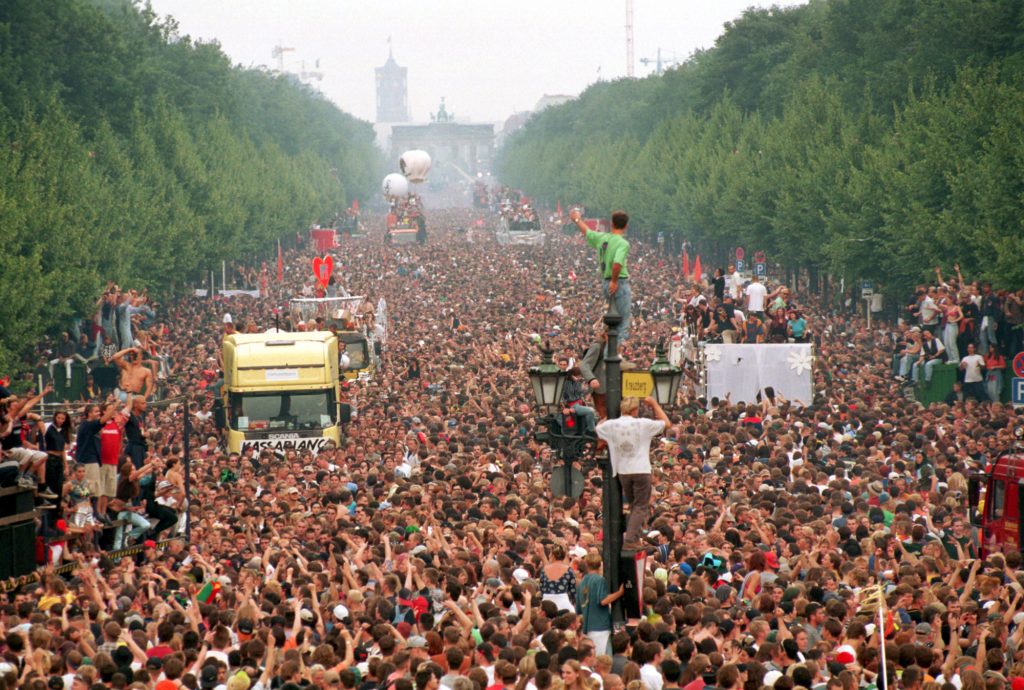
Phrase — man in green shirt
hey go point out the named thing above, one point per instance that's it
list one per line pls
(612, 254)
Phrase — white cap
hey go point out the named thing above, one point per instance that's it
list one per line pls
(227, 318)
(340, 612)
(521, 575)
(771, 677)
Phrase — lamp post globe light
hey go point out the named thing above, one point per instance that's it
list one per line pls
(666, 377)
(547, 381)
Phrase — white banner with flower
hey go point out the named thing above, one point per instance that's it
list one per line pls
(743, 371)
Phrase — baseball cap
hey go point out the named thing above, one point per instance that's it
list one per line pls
(340, 612)
(416, 642)
(208, 677)
(846, 654)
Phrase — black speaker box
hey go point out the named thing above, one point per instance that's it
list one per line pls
(17, 549)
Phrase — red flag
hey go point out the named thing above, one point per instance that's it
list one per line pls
(572, 275)
(558, 209)
(696, 270)
(686, 264)
(355, 205)
(280, 263)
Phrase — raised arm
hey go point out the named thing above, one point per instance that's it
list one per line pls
(577, 218)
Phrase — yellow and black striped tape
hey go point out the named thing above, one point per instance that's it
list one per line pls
(13, 583)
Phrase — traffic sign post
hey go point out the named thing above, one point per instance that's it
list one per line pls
(740, 265)
(740, 255)
(761, 269)
(637, 384)
(1018, 365)
(1017, 391)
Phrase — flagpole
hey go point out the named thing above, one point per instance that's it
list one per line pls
(881, 636)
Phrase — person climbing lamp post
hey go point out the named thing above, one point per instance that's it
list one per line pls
(547, 381)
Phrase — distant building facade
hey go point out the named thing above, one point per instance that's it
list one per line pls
(457, 150)
(392, 91)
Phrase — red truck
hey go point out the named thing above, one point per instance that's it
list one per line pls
(996, 497)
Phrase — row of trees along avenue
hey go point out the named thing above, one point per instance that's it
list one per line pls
(132, 153)
(868, 139)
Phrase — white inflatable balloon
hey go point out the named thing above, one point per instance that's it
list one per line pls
(415, 165)
(395, 185)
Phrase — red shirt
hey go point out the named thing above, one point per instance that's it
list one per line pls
(110, 441)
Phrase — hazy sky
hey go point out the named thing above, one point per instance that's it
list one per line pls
(489, 58)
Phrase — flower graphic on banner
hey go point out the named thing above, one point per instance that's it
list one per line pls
(799, 361)
(713, 354)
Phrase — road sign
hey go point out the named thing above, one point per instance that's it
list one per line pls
(637, 384)
(558, 482)
(761, 269)
(1017, 390)
(740, 265)
(740, 255)
(1018, 364)
(759, 257)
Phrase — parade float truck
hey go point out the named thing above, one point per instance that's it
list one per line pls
(281, 391)
(520, 231)
(996, 497)
(357, 346)
(403, 229)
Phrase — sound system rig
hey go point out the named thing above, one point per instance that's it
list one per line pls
(17, 532)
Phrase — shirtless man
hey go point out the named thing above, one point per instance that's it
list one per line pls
(136, 378)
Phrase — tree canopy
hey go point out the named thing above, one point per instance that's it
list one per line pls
(872, 139)
(132, 153)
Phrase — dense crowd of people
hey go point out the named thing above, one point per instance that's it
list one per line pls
(427, 550)
(966, 324)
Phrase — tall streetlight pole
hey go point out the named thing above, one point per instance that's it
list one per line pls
(611, 490)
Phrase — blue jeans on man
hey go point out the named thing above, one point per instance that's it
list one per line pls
(928, 366)
(623, 303)
(585, 416)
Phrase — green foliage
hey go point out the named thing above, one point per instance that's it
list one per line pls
(129, 152)
(867, 138)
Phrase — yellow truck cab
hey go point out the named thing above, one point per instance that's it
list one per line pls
(281, 391)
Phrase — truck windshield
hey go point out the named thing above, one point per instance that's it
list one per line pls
(289, 410)
(356, 355)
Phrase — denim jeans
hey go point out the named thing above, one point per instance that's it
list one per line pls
(586, 416)
(994, 384)
(906, 364)
(140, 526)
(988, 334)
(624, 304)
(928, 366)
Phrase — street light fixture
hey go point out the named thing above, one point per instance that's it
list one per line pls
(547, 380)
(666, 377)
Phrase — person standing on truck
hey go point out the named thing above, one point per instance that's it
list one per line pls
(973, 366)
(612, 255)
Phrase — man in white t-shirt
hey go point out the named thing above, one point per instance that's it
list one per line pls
(756, 295)
(629, 448)
(973, 366)
(734, 283)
